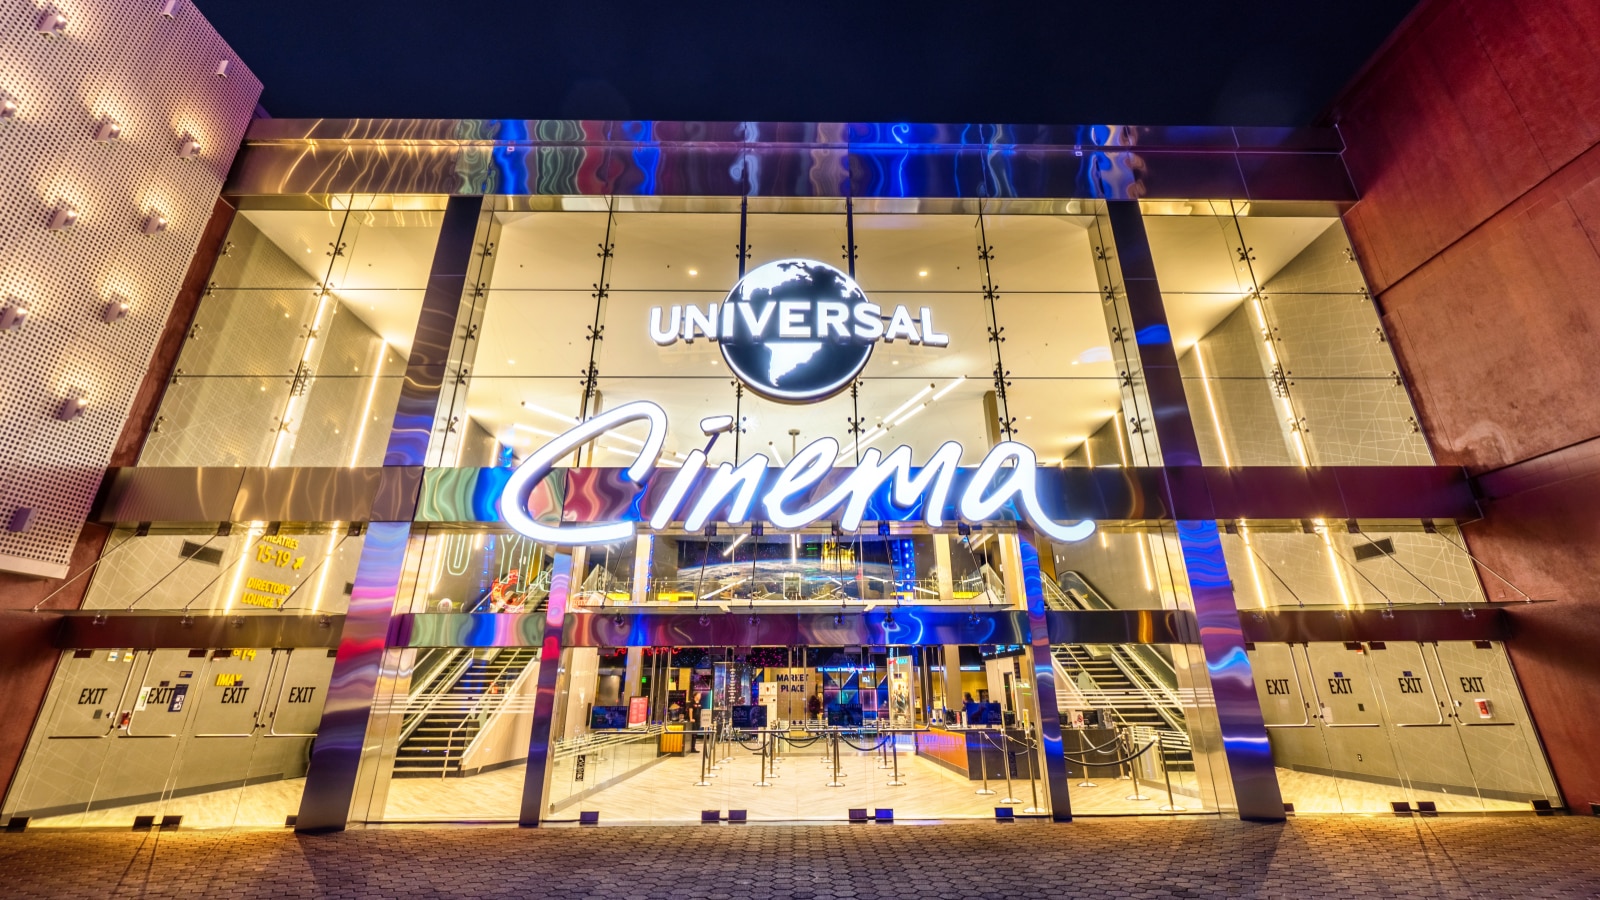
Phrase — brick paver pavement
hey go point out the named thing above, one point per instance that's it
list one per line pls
(1304, 858)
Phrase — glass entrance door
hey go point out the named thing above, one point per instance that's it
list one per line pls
(666, 734)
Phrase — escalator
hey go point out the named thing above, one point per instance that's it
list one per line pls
(1134, 682)
(460, 696)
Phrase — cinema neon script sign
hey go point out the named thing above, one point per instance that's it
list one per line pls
(807, 490)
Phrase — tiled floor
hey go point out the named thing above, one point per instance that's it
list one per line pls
(666, 792)
(1306, 858)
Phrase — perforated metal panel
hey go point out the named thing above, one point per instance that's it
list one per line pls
(155, 77)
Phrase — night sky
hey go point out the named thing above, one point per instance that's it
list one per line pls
(1178, 62)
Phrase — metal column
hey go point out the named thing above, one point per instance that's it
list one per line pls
(536, 780)
(1044, 680)
(1244, 732)
(336, 753)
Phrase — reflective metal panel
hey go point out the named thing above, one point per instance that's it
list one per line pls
(159, 494)
(1123, 626)
(1244, 732)
(306, 494)
(1298, 626)
(572, 131)
(467, 630)
(762, 159)
(1044, 679)
(536, 780)
(1158, 360)
(336, 753)
(430, 347)
(86, 630)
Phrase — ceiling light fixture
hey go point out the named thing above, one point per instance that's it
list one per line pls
(189, 148)
(108, 131)
(8, 110)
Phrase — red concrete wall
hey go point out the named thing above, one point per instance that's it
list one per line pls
(1474, 137)
(27, 655)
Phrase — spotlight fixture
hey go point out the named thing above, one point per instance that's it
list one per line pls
(8, 110)
(617, 620)
(838, 618)
(155, 223)
(754, 619)
(63, 218)
(51, 24)
(116, 309)
(169, 8)
(21, 518)
(13, 315)
(222, 68)
(72, 406)
(705, 620)
(108, 131)
(189, 148)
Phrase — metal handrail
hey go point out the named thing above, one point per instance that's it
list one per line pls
(1155, 676)
(437, 688)
(474, 709)
(505, 698)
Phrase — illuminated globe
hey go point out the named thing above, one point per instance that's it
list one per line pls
(791, 332)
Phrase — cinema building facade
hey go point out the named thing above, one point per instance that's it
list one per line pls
(548, 471)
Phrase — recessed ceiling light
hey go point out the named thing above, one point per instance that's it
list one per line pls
(694, 271)
(894, 362)
(511, 362)
(922, 274)
(1029, 418)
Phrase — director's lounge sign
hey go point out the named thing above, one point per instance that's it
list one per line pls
(794, 331)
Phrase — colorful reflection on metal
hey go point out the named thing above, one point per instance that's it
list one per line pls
(1244, 731)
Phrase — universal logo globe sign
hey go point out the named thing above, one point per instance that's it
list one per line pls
(795, 330)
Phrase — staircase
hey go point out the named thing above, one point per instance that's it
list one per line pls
(1136, 684)
(454, 709)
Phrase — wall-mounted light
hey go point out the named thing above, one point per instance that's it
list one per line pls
(51, 24)
(21, 518)
(108, 131)
(13, 315)
(188, 148)
(8, 110)
(155, 223)
(169, 8)
(63, 218)
(116, 309)
(72, 406)
(222, 68)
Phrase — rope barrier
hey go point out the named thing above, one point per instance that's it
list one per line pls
(1110, 762)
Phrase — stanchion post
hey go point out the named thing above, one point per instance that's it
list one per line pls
(1167, 776)
(1133, 767)
(983, 762)
(1005, 763)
